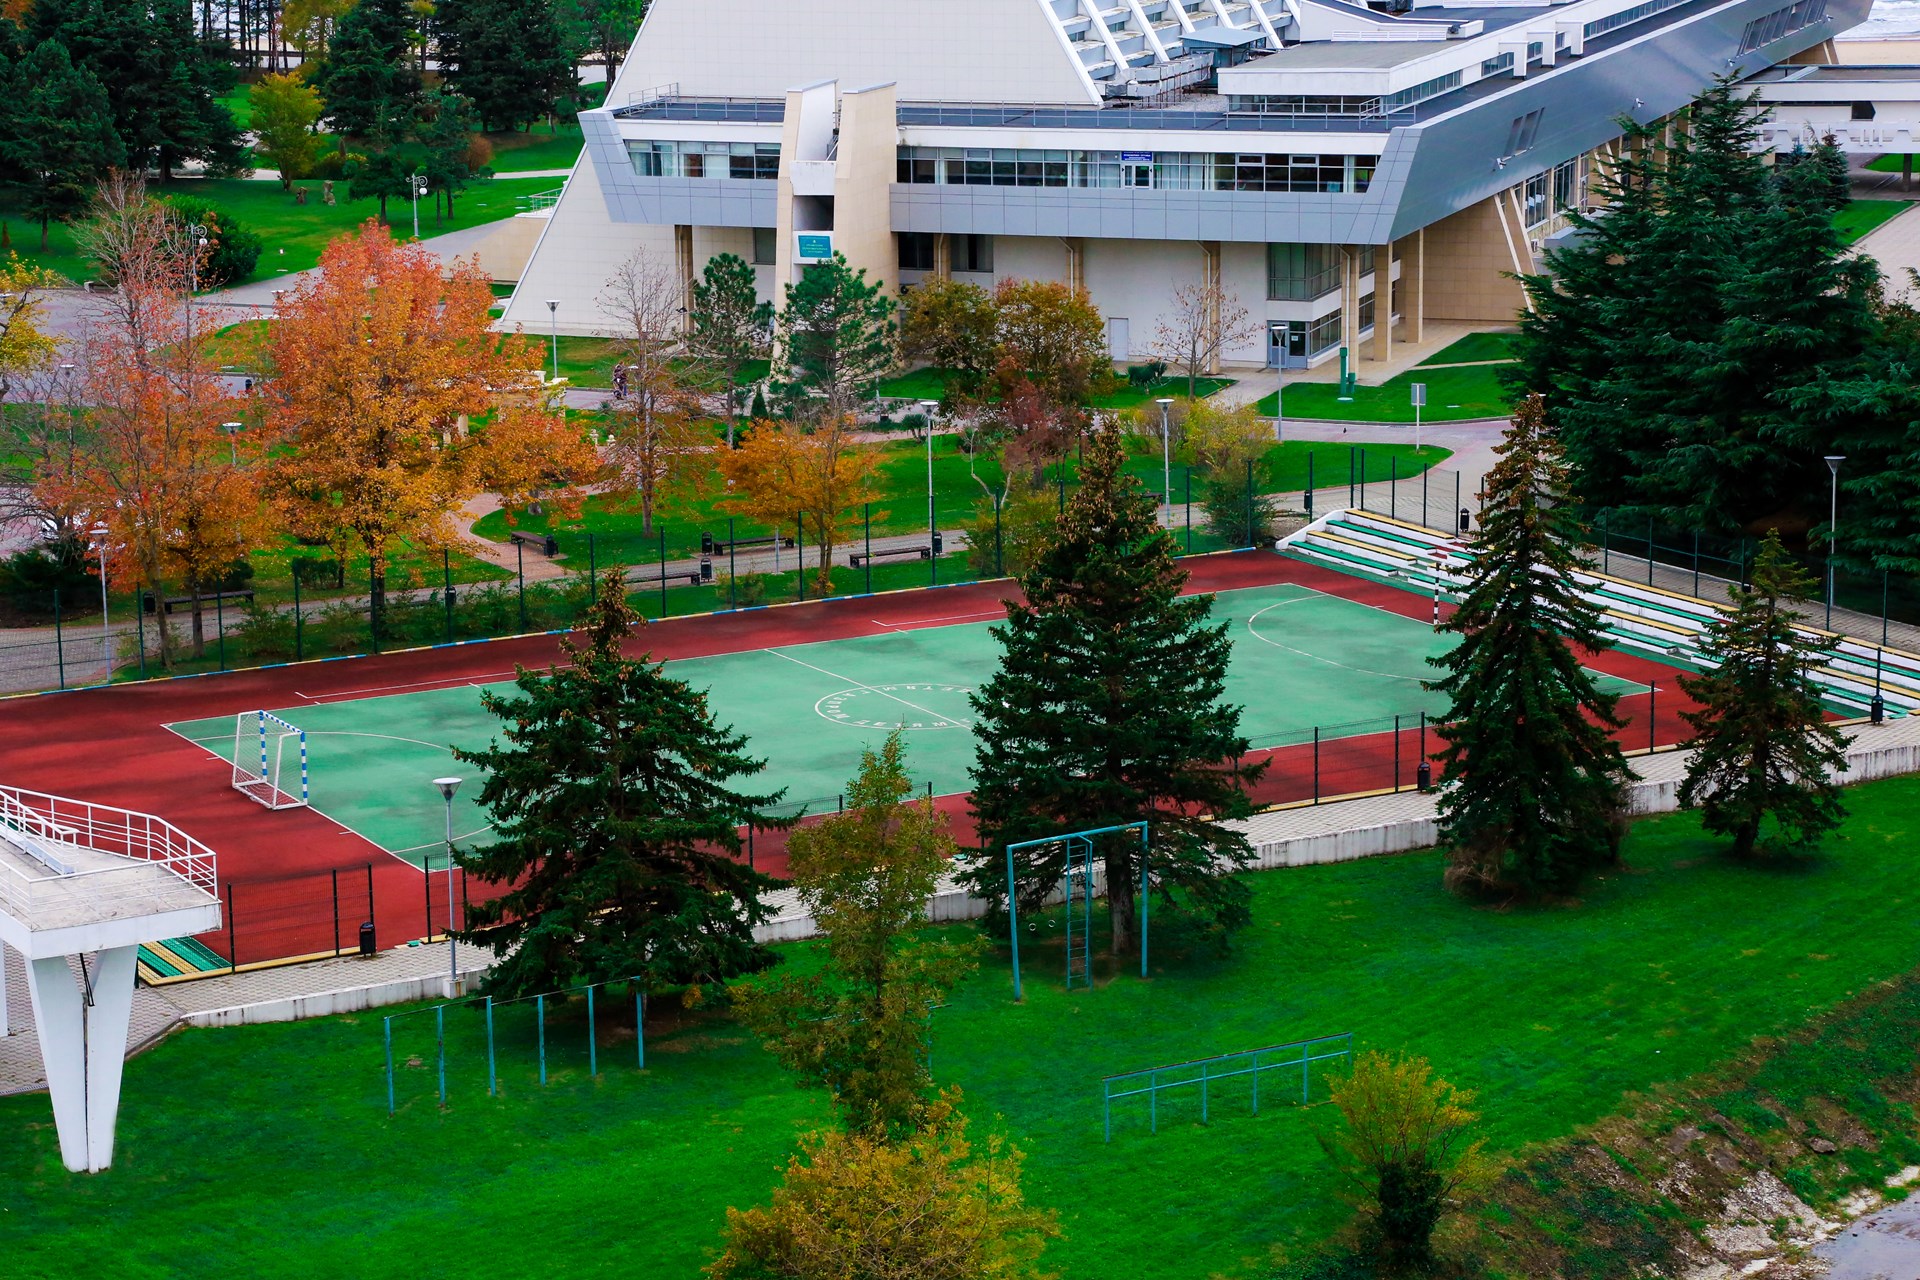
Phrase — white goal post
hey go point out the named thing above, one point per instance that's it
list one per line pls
(261, 763)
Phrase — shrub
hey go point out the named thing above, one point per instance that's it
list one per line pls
(232, 250)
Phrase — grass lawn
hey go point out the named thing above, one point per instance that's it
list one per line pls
(239, 104)
(1453, 395)
(1857, 217)
(588, 362)
(537, 148)
(1474, 348)
(267, 1151)
(902, 508)
(1885, 164)
(293, 234)
(931, 384)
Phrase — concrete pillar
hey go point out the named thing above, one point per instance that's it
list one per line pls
(1350, 302)
(1383, 302)
(1210, 272)
(1416, 291)
(82, 1026)
(683, 262)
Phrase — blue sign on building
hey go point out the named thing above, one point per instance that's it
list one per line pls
(813, 246)
(1136, 157)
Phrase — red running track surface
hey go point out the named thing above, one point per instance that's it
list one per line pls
(283, 869)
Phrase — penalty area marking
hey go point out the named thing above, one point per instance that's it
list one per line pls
(349, 695)
(912, 623)
(855, 684)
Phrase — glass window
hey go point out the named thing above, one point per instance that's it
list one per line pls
(970, 253)
(1365, 320)
(763, 245)
(1324, 334)
(1301, 272)
(916, 251)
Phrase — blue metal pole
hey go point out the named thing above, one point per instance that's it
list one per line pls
(1106, 1107)
(492, 1078)
(1256, 1083)
(1203, 1092)
(593, 1050)
(387, 1035)
(640, 1025)
(440, 1034)
(540, 1015)
(1013, 924)
(1146, 895)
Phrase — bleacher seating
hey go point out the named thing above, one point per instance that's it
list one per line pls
(1660, 623)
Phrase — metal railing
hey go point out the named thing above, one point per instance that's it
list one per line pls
(107, 829)
(1207, 1072)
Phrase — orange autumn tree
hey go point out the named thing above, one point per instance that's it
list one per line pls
(149, 459)
(378, 360)
(783, 473)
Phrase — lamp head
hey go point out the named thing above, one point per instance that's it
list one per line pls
(928, 406)
(1833, 462)
(447, 787)
(553, 304)
(1163, 401)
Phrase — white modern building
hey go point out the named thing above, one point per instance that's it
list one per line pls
(1349, 172)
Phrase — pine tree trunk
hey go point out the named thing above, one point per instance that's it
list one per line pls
(1121, 907)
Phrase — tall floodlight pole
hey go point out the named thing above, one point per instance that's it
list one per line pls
(1166, 453)
(1280, 394)
(446, 787)
(553, 315)
(99, 537)
(927, 408)
(1833, 519)
(197, 237)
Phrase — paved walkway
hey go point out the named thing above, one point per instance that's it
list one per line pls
(157, 1010)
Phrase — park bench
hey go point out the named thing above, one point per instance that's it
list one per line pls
(545, 543)
(743, 544)
(208, 599)
(861, 557)
(694, 577)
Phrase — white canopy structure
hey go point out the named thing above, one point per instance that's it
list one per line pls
(81, 887)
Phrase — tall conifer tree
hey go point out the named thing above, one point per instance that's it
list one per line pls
(614, 798)
(509, 57)
(1108, 709)
(1763, 749)
(368, 82)
(1535, 787)
(65, 140)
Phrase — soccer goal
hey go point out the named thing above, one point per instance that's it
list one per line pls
(263, 766)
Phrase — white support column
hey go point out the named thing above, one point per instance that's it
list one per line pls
(82, 1025)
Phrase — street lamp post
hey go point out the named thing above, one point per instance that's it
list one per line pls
(446, 787)
(1166, 452)
(98, 536)
(197, 235)
(1833, 519)
(233, 454)
(927, 408)
(553, 315)
(416, 187)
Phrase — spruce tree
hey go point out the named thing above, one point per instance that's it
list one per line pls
(835, 341)
(1763, 748)
(727, 324)
(449, 142)
(368, 82)
(859, 1025)
(65, 141)
(509, 57)
(1535, 787)
(615, 802)
(1108, 708)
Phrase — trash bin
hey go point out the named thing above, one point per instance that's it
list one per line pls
(1877, 710)
(1465, 516)
(706, 568)
(366, 939)
(706, 544)
(939, 542)
(1424, 775)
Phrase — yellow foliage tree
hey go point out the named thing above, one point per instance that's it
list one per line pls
(377, 357)
(929, 1207)
(784, 474)
(24, 344)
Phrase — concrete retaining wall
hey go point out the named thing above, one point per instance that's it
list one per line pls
(345, 1000)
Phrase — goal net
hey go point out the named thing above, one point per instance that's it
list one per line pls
(270, 760)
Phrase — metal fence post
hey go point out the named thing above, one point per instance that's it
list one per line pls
(663, 573)
(520, 572)
(867, 560)
(446, 588)
(1393, 487)
(440, 1037)
(335, 873)
(1189, 513)
(299, 623)
(59, 645)
(140, 630)
(1253, 539)
(386, 1034)
(492, 1078)
(540, 1016)
(1309, 484)
(1396, 753)
(1316, 764)
(1696, 562)
(220, 624)
(999, 548)
(1649, 552)
(933, 536)
(799, 550)
(593, 1049)
(233, 945)
(373, 611)
(640, 1026)
(732, 571)
(1883, 608)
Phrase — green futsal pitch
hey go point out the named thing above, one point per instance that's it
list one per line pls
(1301, 658)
